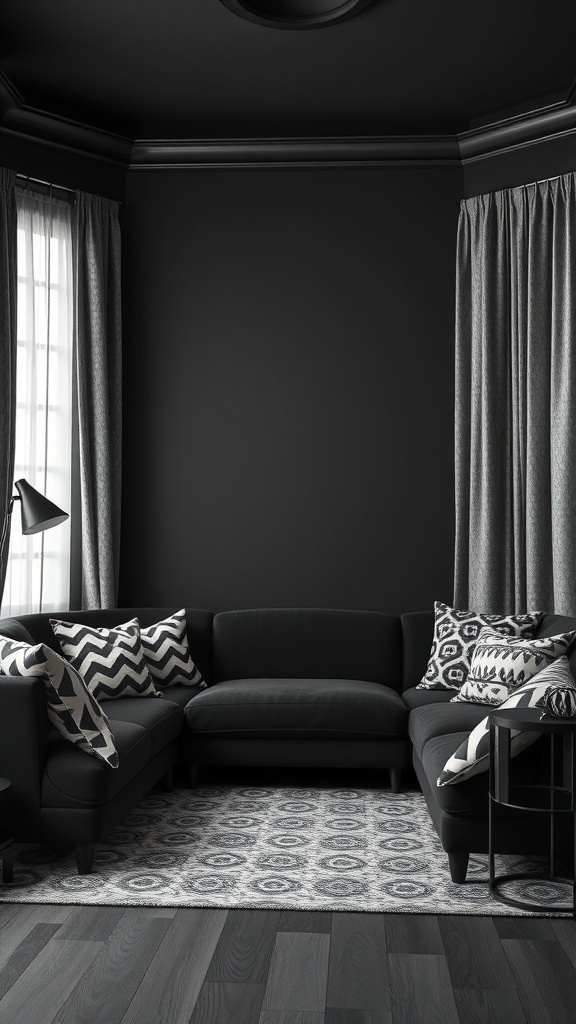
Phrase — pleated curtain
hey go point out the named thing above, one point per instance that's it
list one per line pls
(8, 344)
(99, 384)
(516, 400)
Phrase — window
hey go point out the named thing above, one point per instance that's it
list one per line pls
(38, 574)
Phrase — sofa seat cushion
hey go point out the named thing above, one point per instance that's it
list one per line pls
(437, 719)
(417, 698)
(72, 778)
(182, 694)
(162, 719)
(299, 708)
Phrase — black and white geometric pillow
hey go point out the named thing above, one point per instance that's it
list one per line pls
(111, 661)
(473, 755)
(167, 654)
(500, 663)
(455, 636)
(70, 706)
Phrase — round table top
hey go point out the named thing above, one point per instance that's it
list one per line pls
(4, 784)
(531, 720)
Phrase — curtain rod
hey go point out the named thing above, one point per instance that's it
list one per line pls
(61, 188)
(49, 184)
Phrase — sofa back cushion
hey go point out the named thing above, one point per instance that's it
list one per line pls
(308, 643)
(417, 636)
(199, 627)
(14, 630)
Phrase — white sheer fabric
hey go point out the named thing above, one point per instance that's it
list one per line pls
(38, 575)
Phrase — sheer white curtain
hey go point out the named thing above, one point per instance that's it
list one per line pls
(38, 575)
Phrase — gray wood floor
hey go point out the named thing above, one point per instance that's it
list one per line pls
(112, 965)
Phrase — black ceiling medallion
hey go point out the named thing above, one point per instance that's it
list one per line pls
(292, 14)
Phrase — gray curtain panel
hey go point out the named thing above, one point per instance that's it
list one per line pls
(516, 400)
(99, 383)
(8, 285)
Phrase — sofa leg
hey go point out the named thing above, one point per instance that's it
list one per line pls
(458, 864)
(395, 779)
(193, 775)
(168, 781)
(84, 857)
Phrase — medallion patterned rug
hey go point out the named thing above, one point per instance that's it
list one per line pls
(272, 847)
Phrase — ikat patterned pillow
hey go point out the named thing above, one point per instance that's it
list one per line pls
(455, 636)
(473, 755)
(167, 654)
(111, 661)
(501, 663)
(71, 707)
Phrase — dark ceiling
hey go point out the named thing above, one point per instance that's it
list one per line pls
(174, 69)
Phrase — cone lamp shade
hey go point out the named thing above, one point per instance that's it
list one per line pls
(38, 513)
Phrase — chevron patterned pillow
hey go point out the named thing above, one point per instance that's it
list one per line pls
(455, 636)
(167, 653)
(111, 661)
(473, 755)
(71, 707)
(500, 663)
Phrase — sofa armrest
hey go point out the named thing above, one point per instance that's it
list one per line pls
(23, 746)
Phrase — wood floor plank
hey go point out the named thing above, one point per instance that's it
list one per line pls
(305, 921)
(7, 912)
(298, 975)
(154, 911)
(105, 991)
(336, 1015)
(546, 980)
(291, 1017)
(474, 953)
(45, 985)
(24, 954)
(172, 983)
(358, 976)
(525, 928)
(565, 932)
(225, 1002)
(420, 989)
(96, 923)
(245, 947)
(489, 1006)
(53, 913)
(19, 925)
(413, 933)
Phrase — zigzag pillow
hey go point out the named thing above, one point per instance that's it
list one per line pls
(167, 654)
(473, 755)
(71, 707)
(501, 663)
(111, 661)
(455, 636)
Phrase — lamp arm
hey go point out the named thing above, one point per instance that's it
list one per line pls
(7, 518)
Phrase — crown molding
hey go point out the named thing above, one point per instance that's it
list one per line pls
(512, 133)
(17, 118)
(158, 154)
(553, 121)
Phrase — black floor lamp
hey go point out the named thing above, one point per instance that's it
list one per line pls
(38, 513)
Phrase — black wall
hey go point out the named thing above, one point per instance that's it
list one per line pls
(289, 387)
(289, 340)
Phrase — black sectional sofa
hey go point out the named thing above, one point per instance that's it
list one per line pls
(292, 687)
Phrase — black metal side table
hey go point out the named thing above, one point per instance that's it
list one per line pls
(6, 840)
(552, 798)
